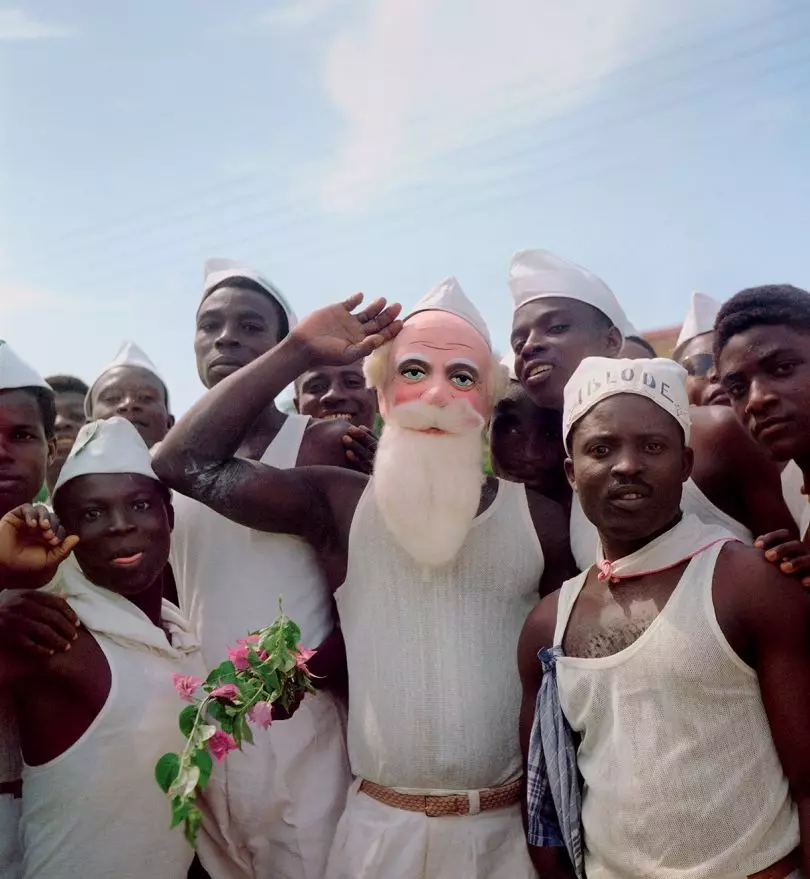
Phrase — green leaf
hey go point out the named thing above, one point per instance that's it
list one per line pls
(166, 770)
(193, 823)
(224, 673)
(179, 811)
(202, 760)
(216, 711)
(245, 733)
(187, 717)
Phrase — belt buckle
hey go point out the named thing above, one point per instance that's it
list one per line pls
(437, 807)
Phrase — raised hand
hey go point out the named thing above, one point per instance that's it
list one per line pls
(32, 545)
(792, 557)
(361, 447)
(337, 334)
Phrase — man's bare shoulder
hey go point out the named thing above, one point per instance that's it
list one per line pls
(322, 443)
(745, 569)
(717, 431)
(538, 630)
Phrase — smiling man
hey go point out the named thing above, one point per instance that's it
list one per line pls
(761, 343)
(563, 313)
(434, 569)
(112, 689)
(680, 661)
(336, 393)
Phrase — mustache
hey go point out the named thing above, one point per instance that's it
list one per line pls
(623, 486)
(457, 417)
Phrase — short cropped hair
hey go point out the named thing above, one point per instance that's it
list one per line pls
(67, 384)
(241, 283)
(769, 305)
(644, 344)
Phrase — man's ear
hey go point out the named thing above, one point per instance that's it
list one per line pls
(569, 474)
(170, 513)
(688, 463)
(170, 421)
(614, 342)
(51, 450)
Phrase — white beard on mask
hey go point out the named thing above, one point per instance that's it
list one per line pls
(428, 486)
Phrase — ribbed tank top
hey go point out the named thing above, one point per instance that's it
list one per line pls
(585, 537)
(95, 811)
(229, 577)
(434, 687)
(681, 776)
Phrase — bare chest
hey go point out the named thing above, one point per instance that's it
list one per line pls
(608, 618)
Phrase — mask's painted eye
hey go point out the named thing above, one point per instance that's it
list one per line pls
(413, 373)
(463, 380)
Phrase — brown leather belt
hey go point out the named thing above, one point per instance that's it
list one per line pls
(449, 804)
(782, 868)
(11, 789)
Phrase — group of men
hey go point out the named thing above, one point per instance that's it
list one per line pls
(483, 709)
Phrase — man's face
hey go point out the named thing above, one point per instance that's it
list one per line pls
(526, 442)
(550, 338)
(702, 382)
(337, 392)
(438, 358)
(234, 327)
(124, 524)
(628, 464)
(25, 451)
(69, 420)
(766, 374)
(138, 396)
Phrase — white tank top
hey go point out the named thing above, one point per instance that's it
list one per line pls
(229, 578)
(681, 776)
(433, 681)
(96, 811)
(585, 537)
(792, 482)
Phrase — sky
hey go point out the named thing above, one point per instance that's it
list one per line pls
(382, 145)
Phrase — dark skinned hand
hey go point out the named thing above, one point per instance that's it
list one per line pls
(37, 624)
(33, 544)
(792, 557)
(361, 447)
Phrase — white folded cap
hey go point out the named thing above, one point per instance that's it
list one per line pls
(129, 354)
(448, 296)
(538, 274)
(508, 360)
(109, 446)
(700, 319)
(16, 373)
(658, 379)
(218, 270)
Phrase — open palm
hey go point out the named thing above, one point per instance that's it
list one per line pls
(336, 334)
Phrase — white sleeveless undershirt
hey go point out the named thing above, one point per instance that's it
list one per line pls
(797, 503)
(229, 577)
(434, 687)
(585, 538)
(95, 811)
(681, 776)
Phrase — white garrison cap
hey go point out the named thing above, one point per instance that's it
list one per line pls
(538, 274)
(109, 446)
(448, 296)
(658, 379)
(129, 354)
(218, 270)
(16, 373)
(508, 360)
(700, 319)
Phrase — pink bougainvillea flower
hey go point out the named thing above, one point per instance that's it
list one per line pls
(186, 686)
(262, 714)
(250, 641)
(226, 691)
(239, 657)
(303, 656)
(221, 744)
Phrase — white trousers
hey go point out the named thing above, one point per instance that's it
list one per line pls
(272, 809)
(375, 841)
(10, 846)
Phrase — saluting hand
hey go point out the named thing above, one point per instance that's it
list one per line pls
(336, 334)
(33, 544)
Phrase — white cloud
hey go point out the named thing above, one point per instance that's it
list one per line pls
(16, 24)
(416, 79)
(297, 13)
